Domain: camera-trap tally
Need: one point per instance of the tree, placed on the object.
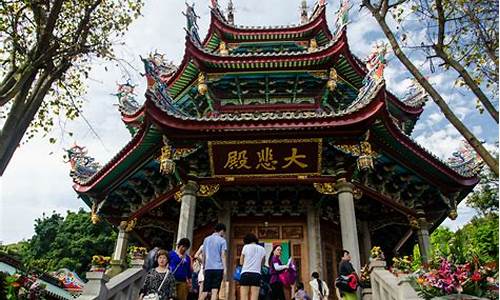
(436, 13)
(67, 242)
(484, 199)
(481, 238)
(466, 40)
(477, 240)
(45, 52)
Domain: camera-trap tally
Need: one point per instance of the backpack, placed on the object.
(347, 283)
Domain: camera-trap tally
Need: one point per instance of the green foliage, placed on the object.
(440, 241)
(480, 238)
(476, 240)
(8, 287)
(67, 242)
(53, 43)
(484, 199)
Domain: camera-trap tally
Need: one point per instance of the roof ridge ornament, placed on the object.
(191, 24)
(158, 70)
(375, 64)
(83, 166)
(230, 12)
(342, 17)
(465, 161)
(416, 96)
(126, 98)
(303, 12)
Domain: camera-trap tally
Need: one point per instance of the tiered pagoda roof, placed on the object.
(282, 82)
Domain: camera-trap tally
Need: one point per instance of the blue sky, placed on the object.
(37, 180)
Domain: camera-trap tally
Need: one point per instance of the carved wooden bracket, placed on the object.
(130, 225)
(327, 188)
(207, 190)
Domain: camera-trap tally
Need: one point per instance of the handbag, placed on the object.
(237, 273)
(347, 283)
(288, 276)
(155, 296)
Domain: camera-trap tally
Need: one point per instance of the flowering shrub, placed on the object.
(376, 253)
(21, 286)
(137, 251)
(402, 264)
(448, 278)
(364, 278)
(100, 261)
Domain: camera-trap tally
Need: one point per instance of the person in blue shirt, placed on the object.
(214, 261)
(180, 266)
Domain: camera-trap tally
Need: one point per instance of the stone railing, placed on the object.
(124, 286)
(386, 286)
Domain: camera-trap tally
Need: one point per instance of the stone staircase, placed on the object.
(386, 286)
(127, 284)
(124, 286)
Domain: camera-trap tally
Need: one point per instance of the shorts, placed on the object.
(250, 279)
(213, 279)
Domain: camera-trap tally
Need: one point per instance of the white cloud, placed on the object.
(440, 142)
(435, 118)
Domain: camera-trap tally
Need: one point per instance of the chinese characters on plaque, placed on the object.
(265, 157)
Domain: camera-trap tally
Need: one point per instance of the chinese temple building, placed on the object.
(280, 131)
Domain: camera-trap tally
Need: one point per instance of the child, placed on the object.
(300, 294)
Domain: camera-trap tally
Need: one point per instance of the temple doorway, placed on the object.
(290, 233)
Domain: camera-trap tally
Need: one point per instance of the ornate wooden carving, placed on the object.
(268, 232)
(292, 232)
(207, 190)
(241, 231)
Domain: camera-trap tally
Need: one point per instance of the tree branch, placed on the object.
(11, 86)
(47, 32)
(441, 24)
(448, 59)
(23, 112)
(384, 7)
(443, 106)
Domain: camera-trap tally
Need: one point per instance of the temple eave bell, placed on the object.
(167, 165)
(202, 85)
(365, 159)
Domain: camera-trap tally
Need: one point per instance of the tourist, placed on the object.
(180, 266)
(198, 260)
(150, 262)
(346, 269)
(300, 293)
(319, 288)
(160, 280)
(276, 267)
(252, 260)
(214, 261)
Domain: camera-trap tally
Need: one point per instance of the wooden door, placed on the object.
(286, 231)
